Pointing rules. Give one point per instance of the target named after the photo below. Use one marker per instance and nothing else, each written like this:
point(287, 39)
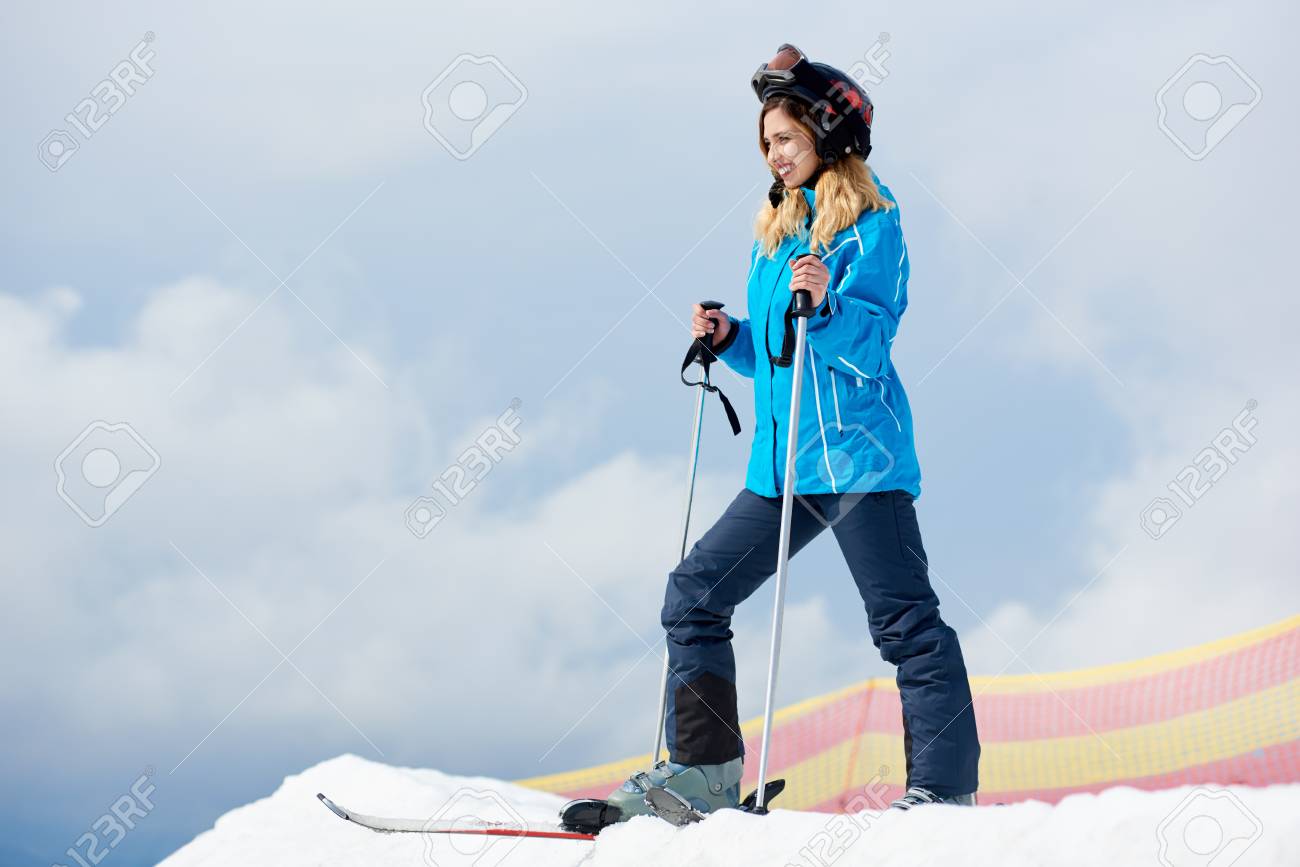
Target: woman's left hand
point(810, 273)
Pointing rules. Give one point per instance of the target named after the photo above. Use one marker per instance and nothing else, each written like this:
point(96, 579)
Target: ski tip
point(334, 808)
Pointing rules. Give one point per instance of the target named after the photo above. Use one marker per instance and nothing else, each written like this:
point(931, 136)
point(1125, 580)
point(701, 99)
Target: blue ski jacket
point(855, 425)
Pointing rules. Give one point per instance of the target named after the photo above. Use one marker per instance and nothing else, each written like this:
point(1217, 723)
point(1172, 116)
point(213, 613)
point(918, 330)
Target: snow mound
point(1176, 827)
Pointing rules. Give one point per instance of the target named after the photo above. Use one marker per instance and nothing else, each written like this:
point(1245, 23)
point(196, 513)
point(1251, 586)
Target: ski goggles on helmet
point(782, 74)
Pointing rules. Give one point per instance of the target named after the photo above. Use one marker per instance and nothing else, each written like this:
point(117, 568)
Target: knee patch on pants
point(706, 721)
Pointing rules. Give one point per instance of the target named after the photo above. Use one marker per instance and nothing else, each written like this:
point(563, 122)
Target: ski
point(438, 826)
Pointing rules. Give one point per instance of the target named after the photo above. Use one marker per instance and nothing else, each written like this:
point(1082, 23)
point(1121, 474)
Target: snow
point(1176, 827)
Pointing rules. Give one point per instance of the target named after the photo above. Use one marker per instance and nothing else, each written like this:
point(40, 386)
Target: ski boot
point(701, 788)
point(916, 796)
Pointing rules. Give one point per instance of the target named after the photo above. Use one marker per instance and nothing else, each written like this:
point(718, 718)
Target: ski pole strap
point(786, 358)
point(705, 355)
point(800, 306)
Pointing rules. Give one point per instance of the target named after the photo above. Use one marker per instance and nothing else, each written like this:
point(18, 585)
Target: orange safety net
point(1227, 712)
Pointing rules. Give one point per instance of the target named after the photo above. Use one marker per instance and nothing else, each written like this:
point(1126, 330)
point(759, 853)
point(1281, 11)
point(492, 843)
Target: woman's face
point(790, 151)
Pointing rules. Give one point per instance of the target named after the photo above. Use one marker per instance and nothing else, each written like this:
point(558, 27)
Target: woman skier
point(831, 229)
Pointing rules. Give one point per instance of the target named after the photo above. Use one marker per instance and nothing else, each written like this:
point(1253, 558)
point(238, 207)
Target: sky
point(287, 270)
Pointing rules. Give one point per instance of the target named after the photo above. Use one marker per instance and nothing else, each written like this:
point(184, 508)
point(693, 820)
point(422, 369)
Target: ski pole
point(701, 354)
point(801, 309)
point(686, 527)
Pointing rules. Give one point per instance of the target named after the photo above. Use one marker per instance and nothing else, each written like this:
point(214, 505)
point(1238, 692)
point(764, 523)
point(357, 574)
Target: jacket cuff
point(822, 313)
point(729, 339)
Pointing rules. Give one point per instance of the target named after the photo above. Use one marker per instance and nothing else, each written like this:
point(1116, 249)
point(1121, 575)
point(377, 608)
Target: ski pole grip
point(707, 341)
point(712, 305)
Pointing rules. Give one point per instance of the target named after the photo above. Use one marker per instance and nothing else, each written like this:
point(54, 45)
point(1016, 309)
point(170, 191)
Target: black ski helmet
point(838, 110)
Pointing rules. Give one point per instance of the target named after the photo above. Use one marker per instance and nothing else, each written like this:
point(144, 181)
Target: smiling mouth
point(784, 168)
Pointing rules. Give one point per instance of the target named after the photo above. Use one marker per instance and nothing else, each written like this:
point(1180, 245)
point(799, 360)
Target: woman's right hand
point(713, 322)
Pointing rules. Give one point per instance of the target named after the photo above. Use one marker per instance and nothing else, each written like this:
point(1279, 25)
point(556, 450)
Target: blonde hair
point(844, 190)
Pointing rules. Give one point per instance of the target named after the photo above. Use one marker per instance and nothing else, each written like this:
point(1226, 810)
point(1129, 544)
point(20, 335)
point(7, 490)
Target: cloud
point(286, 469)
